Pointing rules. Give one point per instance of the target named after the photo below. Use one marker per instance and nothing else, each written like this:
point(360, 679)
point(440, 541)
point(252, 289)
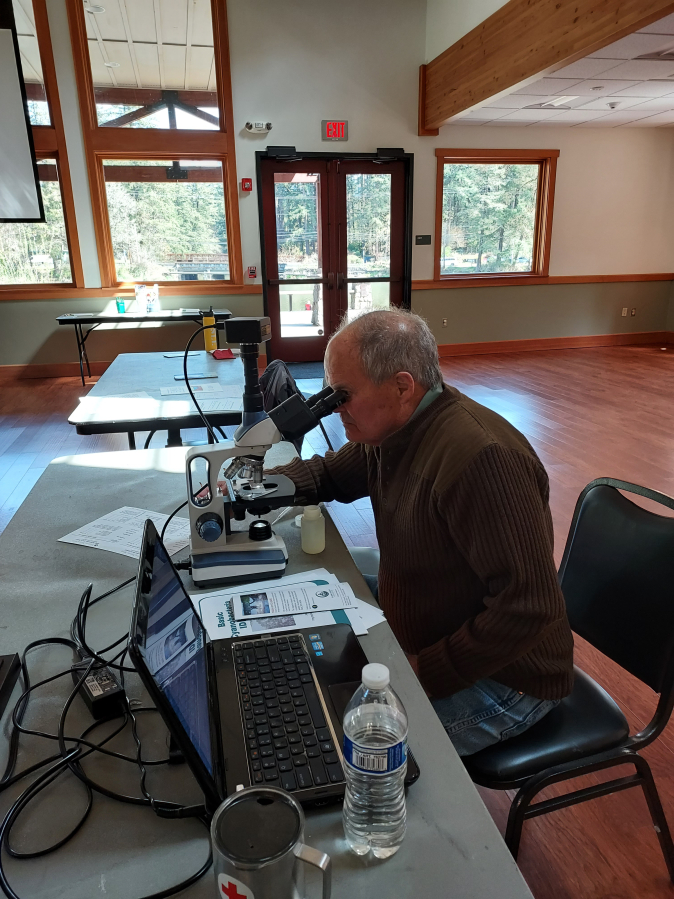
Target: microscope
point(227, 480)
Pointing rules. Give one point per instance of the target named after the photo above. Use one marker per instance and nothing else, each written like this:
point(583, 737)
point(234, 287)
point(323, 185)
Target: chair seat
point(366, 559)
point(584, 723)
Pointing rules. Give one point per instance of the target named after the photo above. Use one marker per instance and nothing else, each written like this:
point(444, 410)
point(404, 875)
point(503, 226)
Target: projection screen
point(20, 197)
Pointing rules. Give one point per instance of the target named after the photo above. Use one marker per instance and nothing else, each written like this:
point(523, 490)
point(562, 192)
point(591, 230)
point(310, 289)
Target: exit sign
point(335, 130)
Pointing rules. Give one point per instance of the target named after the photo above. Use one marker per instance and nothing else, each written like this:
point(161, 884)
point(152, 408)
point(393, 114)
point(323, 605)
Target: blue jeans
point(486, 713)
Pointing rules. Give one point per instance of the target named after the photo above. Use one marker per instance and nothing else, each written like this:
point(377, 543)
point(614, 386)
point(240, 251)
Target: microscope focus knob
point(209, 527)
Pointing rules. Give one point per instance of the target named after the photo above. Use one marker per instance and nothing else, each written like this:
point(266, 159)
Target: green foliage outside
point(151, 221)
point(488, 217)
point(368, 216)
point(368, 208)
point(37, 253)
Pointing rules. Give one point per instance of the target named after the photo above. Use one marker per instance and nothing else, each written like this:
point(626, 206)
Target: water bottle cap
point(311, 513)
point(376, 676)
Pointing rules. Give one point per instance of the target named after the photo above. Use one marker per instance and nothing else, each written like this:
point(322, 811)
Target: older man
point(467, 579)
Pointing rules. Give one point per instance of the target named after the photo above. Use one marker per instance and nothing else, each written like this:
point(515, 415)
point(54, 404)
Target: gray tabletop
point(452, 847)
point(99, 413)
point(168, 315)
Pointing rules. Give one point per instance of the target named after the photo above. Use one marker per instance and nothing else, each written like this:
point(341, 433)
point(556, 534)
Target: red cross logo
point(233, 889)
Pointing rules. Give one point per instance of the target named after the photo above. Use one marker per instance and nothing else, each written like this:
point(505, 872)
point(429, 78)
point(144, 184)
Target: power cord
point(70, 757)
point(209, 428)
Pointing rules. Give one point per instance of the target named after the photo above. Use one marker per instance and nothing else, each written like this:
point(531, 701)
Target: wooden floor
point(587, 412)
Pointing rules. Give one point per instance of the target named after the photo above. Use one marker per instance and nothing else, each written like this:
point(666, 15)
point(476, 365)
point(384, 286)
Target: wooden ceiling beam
point(521, 40)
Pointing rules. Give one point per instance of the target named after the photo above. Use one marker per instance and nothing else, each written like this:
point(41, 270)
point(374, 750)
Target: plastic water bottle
point(375, 755)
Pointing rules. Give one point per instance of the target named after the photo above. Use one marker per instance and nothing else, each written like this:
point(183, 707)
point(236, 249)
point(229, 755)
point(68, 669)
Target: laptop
point(244, 711)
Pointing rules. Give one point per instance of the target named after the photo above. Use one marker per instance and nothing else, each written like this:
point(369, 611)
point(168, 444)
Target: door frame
point(385, 155)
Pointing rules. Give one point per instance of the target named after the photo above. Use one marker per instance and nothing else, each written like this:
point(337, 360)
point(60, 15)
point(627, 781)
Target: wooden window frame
point(50, 143)
point(545, 198)
point(135, 143)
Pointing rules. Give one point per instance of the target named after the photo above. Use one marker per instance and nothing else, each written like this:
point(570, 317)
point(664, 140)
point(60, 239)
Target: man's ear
point(404, 385)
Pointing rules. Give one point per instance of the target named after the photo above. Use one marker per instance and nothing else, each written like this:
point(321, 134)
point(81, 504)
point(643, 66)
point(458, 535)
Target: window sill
point(69, 291)
point(531, 280)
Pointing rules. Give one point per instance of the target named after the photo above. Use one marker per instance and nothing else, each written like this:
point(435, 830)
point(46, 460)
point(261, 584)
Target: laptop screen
point(173, 649)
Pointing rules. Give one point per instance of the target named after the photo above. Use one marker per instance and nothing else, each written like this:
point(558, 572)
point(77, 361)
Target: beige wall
point(449, 20)
point(482, 314)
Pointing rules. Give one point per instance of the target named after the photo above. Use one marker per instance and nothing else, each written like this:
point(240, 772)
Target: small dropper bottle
point(313, 530)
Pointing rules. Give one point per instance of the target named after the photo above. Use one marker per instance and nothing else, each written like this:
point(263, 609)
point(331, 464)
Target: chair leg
point(516, 816)
point(327, 439)
point(657, 812)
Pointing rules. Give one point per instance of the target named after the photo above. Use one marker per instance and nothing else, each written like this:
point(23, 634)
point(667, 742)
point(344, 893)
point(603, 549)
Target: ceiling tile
point(616, 118)
point(575, 116)
point(587, 68)
point(529, 115)
point(661, 118)
point(659, 104)
point(550, 86)
point(647, 89)
point(118, 51)
point(514, 101)
point(109, 23)
point(634, 45)
point(642, 69)
point(173, 21)
point(600, 88)
point(603, 102)
point(148, 64)
point(483, 114)
point(662, 26)
point(141, 19)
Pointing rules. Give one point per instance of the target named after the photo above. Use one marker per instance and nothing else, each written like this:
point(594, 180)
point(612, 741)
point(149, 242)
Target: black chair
point(617, 576)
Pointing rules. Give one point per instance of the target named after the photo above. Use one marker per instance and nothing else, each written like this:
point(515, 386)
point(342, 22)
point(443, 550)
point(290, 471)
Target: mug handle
point(320, 860)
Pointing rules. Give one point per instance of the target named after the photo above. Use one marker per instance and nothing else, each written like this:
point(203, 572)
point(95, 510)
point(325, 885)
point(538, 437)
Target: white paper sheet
point(178, 355)
point(297, 599)
point(231, 405)
point(222, 389)
point(215, 608)
point(121, 532)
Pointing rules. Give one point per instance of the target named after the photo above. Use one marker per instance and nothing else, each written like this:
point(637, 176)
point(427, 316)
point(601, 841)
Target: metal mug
point(258, 851)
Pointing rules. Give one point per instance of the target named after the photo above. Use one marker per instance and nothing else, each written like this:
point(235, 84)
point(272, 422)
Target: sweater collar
point(415, 427)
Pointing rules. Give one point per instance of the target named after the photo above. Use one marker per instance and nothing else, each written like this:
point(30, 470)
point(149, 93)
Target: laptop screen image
point(173, 648)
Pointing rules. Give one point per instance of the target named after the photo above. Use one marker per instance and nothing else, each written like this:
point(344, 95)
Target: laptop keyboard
point(288, 740)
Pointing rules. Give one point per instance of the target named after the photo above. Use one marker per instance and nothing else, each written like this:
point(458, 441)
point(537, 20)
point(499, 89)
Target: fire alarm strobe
point(258, 127)
point(246, 184)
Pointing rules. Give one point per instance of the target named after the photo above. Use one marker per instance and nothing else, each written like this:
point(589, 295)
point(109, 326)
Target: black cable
point(211, 432)
point(166, 523)
point(70, 759)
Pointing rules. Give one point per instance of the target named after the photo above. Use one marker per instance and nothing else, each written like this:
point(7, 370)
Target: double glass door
point(334, 243)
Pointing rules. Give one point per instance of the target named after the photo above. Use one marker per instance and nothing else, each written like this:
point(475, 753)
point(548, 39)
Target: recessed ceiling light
point(558, 101)
point(95, 10)
point(111, 65)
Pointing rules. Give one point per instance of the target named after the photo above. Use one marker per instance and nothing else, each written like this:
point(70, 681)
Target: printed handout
point(290, 600)
point(121, 532)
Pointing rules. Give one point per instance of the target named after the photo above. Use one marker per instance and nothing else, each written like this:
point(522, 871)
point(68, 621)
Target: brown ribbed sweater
point(467, 579)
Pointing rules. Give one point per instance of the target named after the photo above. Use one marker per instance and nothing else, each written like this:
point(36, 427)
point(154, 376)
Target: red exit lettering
point(335, 129)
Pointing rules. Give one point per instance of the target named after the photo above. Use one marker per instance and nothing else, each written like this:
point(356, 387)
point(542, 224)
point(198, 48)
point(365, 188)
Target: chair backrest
point(277, 385)
point(617, 576)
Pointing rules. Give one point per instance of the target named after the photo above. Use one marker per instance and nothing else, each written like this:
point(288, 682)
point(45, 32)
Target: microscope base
point(240, 562)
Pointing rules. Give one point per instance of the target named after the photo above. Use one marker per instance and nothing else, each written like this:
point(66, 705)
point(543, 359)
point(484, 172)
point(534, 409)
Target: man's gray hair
point(393, 340)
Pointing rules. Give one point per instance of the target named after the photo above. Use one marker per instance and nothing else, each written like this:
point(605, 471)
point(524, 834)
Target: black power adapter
point(101, 690)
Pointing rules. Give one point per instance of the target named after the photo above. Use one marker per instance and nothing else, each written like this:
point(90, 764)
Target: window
point(153, 65)
point(31, 64)
point(494, 213)
point(156, 105)
point(38, 253)
point(167, 220)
